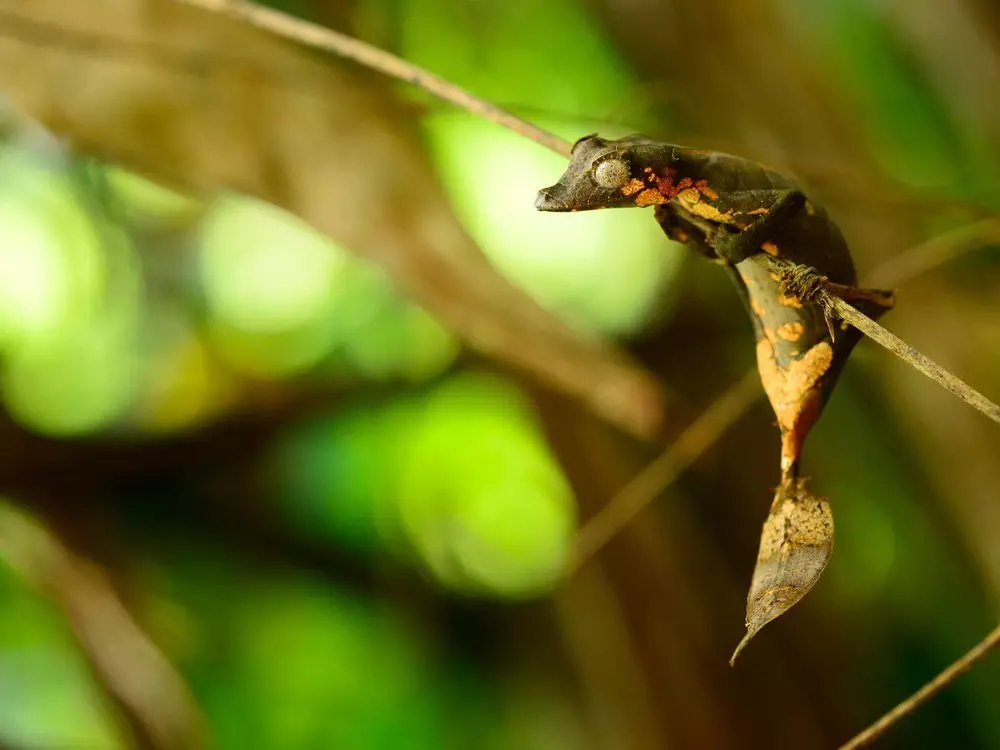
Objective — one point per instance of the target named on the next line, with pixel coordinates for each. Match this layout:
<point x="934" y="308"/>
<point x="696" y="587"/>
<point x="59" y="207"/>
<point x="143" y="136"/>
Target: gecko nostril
<point x="545" y="201"/>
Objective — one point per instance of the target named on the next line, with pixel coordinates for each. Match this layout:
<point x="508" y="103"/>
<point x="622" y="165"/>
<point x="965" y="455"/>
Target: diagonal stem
<point x="911" y="356"/>
<point x="701" y="435"/>
<point x="928" y="691"/>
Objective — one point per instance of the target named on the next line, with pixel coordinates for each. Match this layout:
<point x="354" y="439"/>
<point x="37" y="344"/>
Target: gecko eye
<point x="612" y="174"/>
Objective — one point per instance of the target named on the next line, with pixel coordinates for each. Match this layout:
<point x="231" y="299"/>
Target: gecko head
<point x="606" y="174"/>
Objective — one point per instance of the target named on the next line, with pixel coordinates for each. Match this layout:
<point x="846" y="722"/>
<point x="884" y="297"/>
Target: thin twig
<point x="911" y="356"/>
<point x="384" y="62"/>
<point x="45" y="34"/>
<point x="695" y="440"/>
<point x="928" y="691"/>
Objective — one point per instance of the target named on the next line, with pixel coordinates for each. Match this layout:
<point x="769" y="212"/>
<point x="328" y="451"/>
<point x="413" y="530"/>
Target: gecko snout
<point x="548" y="202"/>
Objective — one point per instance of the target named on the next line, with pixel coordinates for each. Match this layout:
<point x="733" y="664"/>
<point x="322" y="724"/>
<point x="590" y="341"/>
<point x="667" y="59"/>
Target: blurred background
<point x="303" y="404"/>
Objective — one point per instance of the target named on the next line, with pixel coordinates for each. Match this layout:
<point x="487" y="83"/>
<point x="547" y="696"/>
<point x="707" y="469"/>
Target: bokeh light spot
<point x="72" y="383"/>
<point x="481" y="497"/>
<point x="51" y="266"/>
<point x="263" y="270"/>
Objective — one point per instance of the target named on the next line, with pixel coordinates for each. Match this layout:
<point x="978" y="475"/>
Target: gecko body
<point x="736" y="213"/>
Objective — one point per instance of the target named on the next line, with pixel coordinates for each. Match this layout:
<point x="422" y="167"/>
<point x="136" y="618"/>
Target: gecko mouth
<point x="548" y="202"/>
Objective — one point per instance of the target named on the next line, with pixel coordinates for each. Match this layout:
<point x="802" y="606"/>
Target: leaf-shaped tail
<point x="795" y="546"/>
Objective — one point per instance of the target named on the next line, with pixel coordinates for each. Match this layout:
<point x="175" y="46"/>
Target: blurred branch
<point x="935" y="252"/>
<point x="704" y="432"/>
<point x="197" y="63"/>
<point x="342" y="45"/>
<point x="130" y="668"/>
<point x="45" y="34"/>
<point x="979" y="652"/>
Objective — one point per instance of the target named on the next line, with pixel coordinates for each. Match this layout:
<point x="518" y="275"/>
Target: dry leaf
<point x="205" y="103"/>
<point x="795" y="546"/>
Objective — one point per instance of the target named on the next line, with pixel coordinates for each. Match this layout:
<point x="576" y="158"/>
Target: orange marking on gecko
<point x="632" y="187"/>
<point x="687" y="192"/>
<point x="791" y="331"/>
<point x="708" y="211"/>
<point x="793" y="302"/>
<point x="770" y="248"/>
<point x="794" y="393"/>
<point x="668" y="189"/>
<point x="705" y="190"/>
<point x="665" y="184"/>
<point x="749" y="280"/>
<point x="650" y="197"/>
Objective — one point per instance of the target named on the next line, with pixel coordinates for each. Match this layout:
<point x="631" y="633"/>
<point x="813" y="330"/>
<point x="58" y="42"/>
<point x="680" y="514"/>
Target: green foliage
<point x="460" y="471"/>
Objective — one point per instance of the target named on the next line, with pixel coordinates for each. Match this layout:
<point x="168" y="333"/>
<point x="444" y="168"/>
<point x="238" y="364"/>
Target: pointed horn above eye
<point x="578" y="141"/>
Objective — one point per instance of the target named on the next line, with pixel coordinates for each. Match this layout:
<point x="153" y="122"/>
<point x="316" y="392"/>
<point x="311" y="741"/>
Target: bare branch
<point x="928" y="691"/>
<point x="914" y="358"/>
<point x="348" y="47"/>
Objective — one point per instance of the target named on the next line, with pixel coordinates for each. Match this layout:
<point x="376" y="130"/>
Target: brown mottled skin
<point x="734" y="211"/>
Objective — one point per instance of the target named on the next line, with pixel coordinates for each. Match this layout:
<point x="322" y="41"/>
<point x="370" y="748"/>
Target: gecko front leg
<point x="745" y="219"/>
<point x="687" y="230"/>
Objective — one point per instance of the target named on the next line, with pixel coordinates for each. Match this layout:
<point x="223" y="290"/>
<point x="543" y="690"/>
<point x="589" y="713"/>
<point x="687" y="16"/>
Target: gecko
<point x="736" y="212"/>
